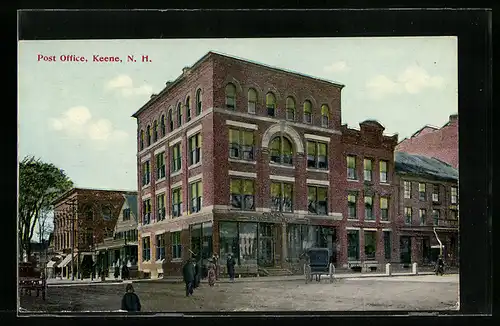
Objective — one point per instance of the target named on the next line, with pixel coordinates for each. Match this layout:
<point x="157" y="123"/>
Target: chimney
<point x="153" y="95"/>
<point x="453" y="117"/>
<point x="186" y="71"/>
<point x="168" y="83"/>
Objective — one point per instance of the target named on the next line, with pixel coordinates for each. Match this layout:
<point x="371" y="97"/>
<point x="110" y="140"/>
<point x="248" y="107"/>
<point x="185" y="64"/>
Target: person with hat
<point x="230" y="266"/>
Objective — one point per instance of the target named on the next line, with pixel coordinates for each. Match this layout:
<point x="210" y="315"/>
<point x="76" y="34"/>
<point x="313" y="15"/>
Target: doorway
<point x="266" y="244"/>
<point x="405" y="249"/>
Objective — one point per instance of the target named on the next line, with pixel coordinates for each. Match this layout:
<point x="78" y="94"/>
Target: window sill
<point x="146" y="186"/>
<point x="275" y="165"/>
<point x="176" y="260"/>
<point x="353" y="219"/>
<point x="160" y="180"/>
<point x="194" y="165"/>
<point x="353" y="180"/>
<point x="235" y="160"/>
<point x="384" y="221"/>
<point x="176" y="173"/>
<point x="318" y="170"/>
<point x="370" y="221"/>
<point x="385" y="184"/>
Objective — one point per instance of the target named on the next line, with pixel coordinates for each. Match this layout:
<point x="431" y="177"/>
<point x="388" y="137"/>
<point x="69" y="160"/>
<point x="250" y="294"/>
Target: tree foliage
<point x="39" y="184"/>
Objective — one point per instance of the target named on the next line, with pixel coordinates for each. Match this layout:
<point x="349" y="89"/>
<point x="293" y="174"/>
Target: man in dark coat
<point x="230" y="266"/>
<point x="188" y="275"/>
<point x="197" y="274"/>
<point x="130" y="300"/>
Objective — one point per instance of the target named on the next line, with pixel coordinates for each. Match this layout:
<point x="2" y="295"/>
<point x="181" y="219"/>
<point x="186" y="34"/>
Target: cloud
<point x="125" y="85"/>
<point x="77" y="123"/>
<point x="412" y="80"/>
<point x="337" y="67"/>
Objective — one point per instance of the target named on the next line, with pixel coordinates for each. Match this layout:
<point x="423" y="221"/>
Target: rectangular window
<point x="317" y="157"/>
<point x="281" y="197"/>
<point x="241" y="144"/>
<point x="352" y="205"/>
<point x="387" y="245"/>
<point x="384" y="208"/>
<point x="317" y="200"/>
<point x="146" y="249"/>
<point x="242" y="194"/>
<point x="160" y="246"/>
<point x="435" y="193"/>
<point x="176" y="158"/>
<point x="177" y="202"/>
<point x="195" y="149"/>
<point x="146" y="173"/>
<point x="407" y="189"/>
<point x="435" y="215"/>
<point x="383" y="171"/>
<point x="351" y="168"/>
<point x="229" y="242"/>
<point x="160" y="166"/>
<point x="160" y="205"/>
<point x="423" y="216"/>
<point x="370" y="245"/>
<point x="126" y="214"/>
<point x="175" y="238"/>
<point x="408" y="215"/>
<point x="367" y="164"/>
<point x="421" y="191"/>
<point x="454" y="195"/>
<point x="453" y="214"/>
<point x="353" y="245"/>
<point x="146" y="208"/>
<point x="369" y="208"/>
<point x="195" y="196"/>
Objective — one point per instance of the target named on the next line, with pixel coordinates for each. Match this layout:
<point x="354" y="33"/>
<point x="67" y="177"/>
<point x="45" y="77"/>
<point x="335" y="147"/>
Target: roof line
<point x="74" y="189"/>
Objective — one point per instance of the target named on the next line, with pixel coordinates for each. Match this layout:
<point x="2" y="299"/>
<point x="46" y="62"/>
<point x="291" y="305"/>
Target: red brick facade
<point x="440" y="143"/>
<point x="211" y="75"/>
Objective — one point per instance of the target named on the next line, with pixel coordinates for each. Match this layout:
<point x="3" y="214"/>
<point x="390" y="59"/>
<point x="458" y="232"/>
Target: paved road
<point x="369" y="293"/>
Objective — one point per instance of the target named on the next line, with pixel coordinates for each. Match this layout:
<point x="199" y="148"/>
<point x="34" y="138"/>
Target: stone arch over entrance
<point x="285" y="130"/>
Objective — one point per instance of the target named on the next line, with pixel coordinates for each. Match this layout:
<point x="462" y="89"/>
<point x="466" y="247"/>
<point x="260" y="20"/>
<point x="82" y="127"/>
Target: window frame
<point x="317" y="201"/>
<point x="350" y="246"/>
<point x="176" y="200"/>
<point x="408" y="217"/>
<point x="386" y="210"/>
<point x="148" y="135"/>
<point x="176" y="244"/>
<point x="307" y="112"/>
<point x="176" y="159"/>
<point x="280" y="206"/>
<point x="370" y="170"/>
<point x="317" y="155"/>
<point x="325" y="117"/>
<point x="353" y="169"/>
<point x="187" y="106"/>
<point x="242" y="150"/>
<point x="230" y="100"/>
<point x="160" y="166"/>
<point x="155" y="131"/>
<point x="283" y="159"/>
<point x="161" y="209"/>
<point x="195" y="152"/>
<point x="290" y="110"/>
<point x="368" y="200"/>
<point x="454" y="195"/>
<point x="146" y="173"/>
<point x="435" y="193"/>
<point x="407" y="185"/>
<point x="146" y="248"/>
<point x="146" y="211"/>
<point x="271" y="108"/>
<point x="241" y="193"/>
<point x="198" y="196"/>
<point x="422" y="213"/>
<point x="160" y="243"/>
<point x="252" y="103"/>
<point x="422" y="195"/>
<point x="352" y="204"/>
<point x="199" y="102"/>
<point x="179" y="114"/>
<point x="436" y="216"/>
<point x="384" y="173"/>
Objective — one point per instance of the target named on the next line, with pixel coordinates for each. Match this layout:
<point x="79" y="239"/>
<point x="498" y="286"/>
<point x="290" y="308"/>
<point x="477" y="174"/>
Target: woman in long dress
<point x="211" y="273"/>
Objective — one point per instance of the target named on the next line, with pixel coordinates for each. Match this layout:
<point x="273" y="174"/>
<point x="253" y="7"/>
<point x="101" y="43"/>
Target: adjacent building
<point x="121" y="247"/>
<point x="238" y="157"/>
<point x="427" y="209"/>
<point x="441" y="143"/>
<point x="83" y="218"/>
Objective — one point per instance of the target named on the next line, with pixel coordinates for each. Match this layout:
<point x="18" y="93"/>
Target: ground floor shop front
<point x="264" y="241"/>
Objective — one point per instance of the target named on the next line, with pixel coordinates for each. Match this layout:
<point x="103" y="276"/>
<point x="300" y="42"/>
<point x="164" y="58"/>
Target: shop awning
<point x="66" y="260"/>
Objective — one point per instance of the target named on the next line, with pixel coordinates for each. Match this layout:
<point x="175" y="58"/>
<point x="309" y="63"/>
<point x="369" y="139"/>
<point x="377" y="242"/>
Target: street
<point x="370" y="293"/>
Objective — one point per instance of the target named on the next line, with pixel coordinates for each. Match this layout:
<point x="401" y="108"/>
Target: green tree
<point x="39" y="184"/>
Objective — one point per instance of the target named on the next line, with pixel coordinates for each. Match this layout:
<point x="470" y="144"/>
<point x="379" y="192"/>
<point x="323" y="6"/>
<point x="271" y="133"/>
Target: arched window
<point x="325" y="114"/>
<point x="162" y="125"/>
<point x="271" y="104"/>
<point x="281" y="150"/>
<point x="252" y="100"/>
<point x="307" y="112"/>
<point x="188" y="109"/>
<point x="148" y="135"/>
<point x="170" y="120"/>
<point x="141" y="140"/>
<point x="155" y="131"/>
<point x="179" y="115"/>
<point x="290" y="108"/>
<point x="230" y="96"/>
<point x="198" y="102"/>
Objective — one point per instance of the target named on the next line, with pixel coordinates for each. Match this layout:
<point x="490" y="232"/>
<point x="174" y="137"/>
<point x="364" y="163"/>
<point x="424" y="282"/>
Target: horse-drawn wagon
<point x="318" y="263"/>
<point x="31" y="280"/>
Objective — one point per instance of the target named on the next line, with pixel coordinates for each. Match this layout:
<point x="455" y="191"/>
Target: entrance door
<point x="405" y="249"/>
<point x="266" y="245"/>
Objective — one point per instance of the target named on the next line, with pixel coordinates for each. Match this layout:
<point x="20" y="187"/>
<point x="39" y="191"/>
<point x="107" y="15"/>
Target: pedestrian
<point x="130" y="300"/>
<point x="197" y="273"/>
<point x="211" y="273"/>
<point x="230" y="266"/>
<point x="117" y="270"/>
<point x="188" y="275"/>
<point x="215" y="261"/>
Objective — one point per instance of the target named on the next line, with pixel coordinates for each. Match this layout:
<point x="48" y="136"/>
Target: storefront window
<point x="196" y="239"/>
<point x="296" y="233"/>
<point x="228" y="239"/>
<point x="405" y="249"/>
<point x="353" y="245"/>
<point x="207" y="240"/>
<point x="248" y="243"/>
<point x="370" y="244"/>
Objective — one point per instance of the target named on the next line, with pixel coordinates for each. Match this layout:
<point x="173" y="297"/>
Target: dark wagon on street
<point x="317" y="263"/>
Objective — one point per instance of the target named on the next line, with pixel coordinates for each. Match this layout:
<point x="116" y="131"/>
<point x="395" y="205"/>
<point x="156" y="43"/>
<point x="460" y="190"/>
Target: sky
<point x="77" y="115"/>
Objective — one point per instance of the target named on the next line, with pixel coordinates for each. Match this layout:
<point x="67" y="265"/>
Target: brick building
<point x="441" y="143"/>
<point x="235" y="156"/>
<point x="428" y="201"/>
<point x="82" y="218"/>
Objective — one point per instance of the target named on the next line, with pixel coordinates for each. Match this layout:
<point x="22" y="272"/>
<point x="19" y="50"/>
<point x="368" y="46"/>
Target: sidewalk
<point x="174" y="280"/>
